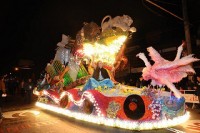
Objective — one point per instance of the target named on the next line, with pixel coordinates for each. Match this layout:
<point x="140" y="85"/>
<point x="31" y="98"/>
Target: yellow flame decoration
<point x="104" y="52"/>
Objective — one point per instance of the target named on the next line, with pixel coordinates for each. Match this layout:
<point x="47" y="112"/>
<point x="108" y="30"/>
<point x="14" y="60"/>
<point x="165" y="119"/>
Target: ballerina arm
<point x="144" y="58"/>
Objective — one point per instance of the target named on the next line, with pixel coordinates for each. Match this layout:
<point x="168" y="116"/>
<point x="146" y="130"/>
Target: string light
<point x="126" y="124"/>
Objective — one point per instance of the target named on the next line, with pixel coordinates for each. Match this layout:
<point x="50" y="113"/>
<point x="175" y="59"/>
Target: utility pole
<point x="185" y="20"/>
<point x="187" y="30"/>
<point x="186" y="27"/>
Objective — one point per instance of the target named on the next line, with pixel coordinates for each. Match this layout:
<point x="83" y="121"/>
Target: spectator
<point x="183" y="83"/>
<point x="141" y="83"/>
<point x="15" y="86"/>
<point x="197" y="87"/>
<point x="2" y="91"/>
<point x="131" y="82"/>
<point x="190" y="85"/>
<point x="22" y="89"/>
<point x="28" y="90"/>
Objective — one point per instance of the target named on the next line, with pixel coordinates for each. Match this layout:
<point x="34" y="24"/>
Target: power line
<point x="151" y="9"/>
<point x="164" y="10"/>
<point x="166" y="2"/>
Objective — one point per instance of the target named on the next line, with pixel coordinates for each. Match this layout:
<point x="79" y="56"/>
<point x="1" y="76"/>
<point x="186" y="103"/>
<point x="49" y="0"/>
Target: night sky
<point x="30" y="29"/>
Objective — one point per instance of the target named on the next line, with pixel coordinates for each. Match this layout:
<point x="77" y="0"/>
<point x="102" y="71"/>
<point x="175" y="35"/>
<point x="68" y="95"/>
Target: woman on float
<point x="100" y="77"/>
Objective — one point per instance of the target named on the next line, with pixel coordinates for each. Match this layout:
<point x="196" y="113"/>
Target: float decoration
<point x="164" y="72"/>
<point x="121" y="106"/>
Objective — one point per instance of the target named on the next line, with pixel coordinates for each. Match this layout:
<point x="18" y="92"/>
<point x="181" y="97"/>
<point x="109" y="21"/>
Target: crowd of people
<point x="12" y="87"/>
<point x="190" y="84"/>
<point x="18" y="87"/>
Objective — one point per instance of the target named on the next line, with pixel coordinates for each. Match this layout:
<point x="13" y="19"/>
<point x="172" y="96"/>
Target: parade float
<point x="60" y="88"/>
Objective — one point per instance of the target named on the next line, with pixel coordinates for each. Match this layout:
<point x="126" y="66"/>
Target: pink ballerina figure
<point x="165" y="72"/>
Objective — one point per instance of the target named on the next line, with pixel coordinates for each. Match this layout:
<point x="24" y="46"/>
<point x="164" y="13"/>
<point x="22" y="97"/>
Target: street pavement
<point x="20" y="117"/>
<point x="16" y="102"/>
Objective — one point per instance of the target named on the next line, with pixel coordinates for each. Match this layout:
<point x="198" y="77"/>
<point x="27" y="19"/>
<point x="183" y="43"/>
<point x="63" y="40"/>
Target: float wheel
<point x="87" y="106"/>
<point x="64" y="101"/>
<point x="134" y="107"/>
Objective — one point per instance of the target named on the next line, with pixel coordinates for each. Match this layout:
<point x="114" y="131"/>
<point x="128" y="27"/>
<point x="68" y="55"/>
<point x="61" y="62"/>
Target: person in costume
<point x="100" y="77"/>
